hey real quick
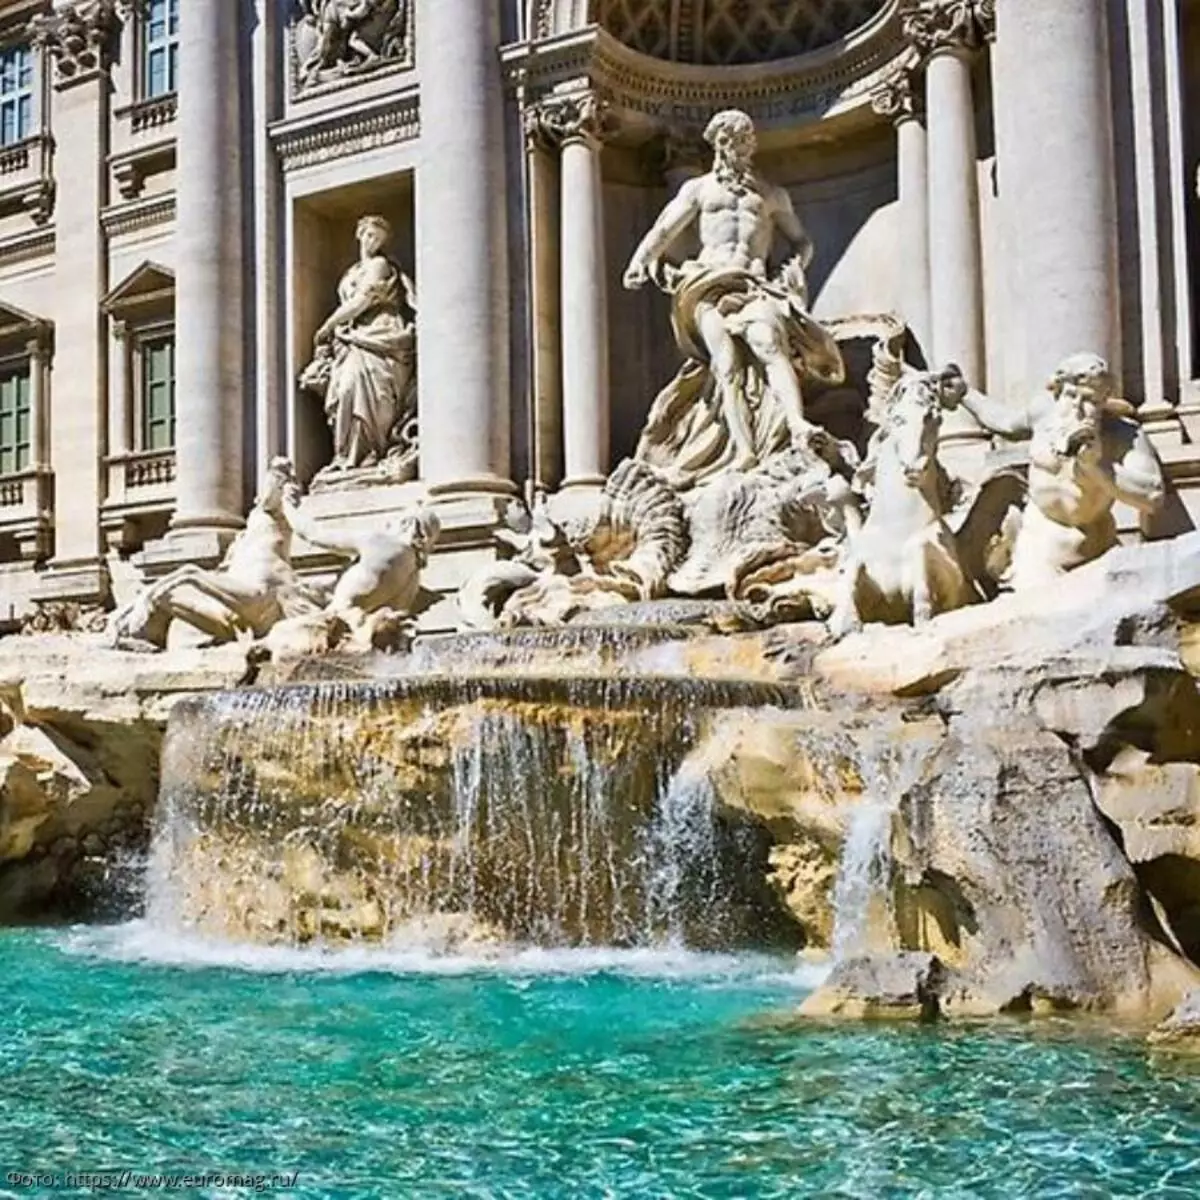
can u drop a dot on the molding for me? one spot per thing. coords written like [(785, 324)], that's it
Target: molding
[(21, 247), (327, 137), (818, 86), (158, 209)]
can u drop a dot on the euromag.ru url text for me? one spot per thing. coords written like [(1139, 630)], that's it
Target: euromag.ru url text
[(117, 1181)]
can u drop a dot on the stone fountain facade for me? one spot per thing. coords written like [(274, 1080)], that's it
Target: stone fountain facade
[(792, 400), (1006, 188)]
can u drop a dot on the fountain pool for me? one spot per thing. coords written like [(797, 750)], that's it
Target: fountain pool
[(578, 1073)]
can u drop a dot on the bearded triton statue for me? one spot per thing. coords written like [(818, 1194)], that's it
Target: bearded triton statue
[(746, 332)]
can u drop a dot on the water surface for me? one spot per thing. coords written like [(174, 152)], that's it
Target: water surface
[(556, 1074)]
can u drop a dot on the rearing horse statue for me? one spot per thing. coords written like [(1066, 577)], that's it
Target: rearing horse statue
[(252, 589), (903, 565)]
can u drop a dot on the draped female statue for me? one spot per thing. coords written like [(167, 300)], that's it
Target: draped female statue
[(364, 362)]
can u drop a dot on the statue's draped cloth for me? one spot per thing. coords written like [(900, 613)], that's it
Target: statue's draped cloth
[(687, 433), (372, 380)]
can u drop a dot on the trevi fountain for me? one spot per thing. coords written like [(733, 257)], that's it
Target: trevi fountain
[(808, 807)]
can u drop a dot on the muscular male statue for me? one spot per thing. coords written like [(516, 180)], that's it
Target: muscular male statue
[(1086, 452), (747, 333)]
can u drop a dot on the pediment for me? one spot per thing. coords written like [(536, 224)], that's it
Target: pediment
[(17, 323), (149, 283)]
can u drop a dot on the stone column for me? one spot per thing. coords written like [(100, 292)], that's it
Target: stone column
[(271, 376), (462, 251), (120, 433), (209, 308), (955, 253), (79, 40), (545, 248), (577, 120), (1056, 180), (900, 99)]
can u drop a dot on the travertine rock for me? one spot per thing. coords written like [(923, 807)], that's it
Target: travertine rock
[(1181, 1030), (80, 736), (901, 986)]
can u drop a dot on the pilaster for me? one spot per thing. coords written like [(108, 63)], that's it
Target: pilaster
[(80, 39)]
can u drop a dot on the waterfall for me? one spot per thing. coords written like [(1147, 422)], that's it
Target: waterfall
[(547, 812), (891, 766), (863, 876)]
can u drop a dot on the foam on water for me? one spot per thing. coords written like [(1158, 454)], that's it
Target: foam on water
[(141, 942)]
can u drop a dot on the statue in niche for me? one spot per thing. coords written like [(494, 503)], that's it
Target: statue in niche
[(1086, 452), (746, 332), (364, 364), (339, 37)]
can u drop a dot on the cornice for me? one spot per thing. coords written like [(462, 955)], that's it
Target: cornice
[(307, 141), (21, 247), (138, 214)]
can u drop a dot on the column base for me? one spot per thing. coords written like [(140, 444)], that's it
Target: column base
[(84, 581), (203, 545), (583, 483)]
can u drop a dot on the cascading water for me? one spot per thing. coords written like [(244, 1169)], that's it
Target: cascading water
[(553, 812), (862, 895)]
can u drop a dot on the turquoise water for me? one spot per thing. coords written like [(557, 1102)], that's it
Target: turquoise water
[(556, 1075)]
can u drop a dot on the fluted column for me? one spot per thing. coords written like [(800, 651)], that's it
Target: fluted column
[(210, 309), (462, 250), (900, 99), (1056, 180), (577, 121)]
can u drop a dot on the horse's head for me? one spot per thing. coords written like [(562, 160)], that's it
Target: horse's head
[(914, 419), (279, 480), (421, 529)]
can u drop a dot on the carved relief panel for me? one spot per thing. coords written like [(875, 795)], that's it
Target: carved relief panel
[(333, 43)]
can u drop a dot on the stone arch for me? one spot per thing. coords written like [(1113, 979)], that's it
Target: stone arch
[(712, 32)]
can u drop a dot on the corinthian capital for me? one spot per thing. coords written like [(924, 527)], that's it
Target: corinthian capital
[(80, 35), (932, 25), (899, 96), (580, 116)]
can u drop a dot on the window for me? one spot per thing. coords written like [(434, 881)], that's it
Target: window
[(160, 48), (14, 419), (158, 392), (16, 94)]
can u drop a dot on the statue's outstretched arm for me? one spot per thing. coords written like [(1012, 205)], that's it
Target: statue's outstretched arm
[(339, 541), (671, 223), (1002, 417)]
